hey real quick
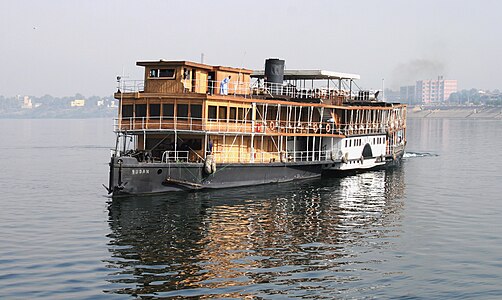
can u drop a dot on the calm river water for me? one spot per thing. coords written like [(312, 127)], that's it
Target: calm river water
[(429, 229)]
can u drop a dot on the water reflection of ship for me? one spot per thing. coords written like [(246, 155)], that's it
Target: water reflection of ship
[(222, 242)]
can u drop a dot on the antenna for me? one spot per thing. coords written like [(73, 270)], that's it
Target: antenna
[(202, 58)]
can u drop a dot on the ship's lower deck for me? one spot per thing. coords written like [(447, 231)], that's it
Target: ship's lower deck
[(128, 176)]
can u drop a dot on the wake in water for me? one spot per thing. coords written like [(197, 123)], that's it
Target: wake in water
[(418, 154)]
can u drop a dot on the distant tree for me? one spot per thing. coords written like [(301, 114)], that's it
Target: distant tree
[(79, 96), (454, 98)]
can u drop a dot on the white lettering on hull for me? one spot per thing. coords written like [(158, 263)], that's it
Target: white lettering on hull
[(139, 171)]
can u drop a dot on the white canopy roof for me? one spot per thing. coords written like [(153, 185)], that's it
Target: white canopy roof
[(309, 74)]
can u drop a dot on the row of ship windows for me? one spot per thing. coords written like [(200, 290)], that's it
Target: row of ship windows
[(234, 113), (165, 110), (185, 111), (359, 142)]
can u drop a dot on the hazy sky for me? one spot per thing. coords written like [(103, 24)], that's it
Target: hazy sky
[(63, 47)]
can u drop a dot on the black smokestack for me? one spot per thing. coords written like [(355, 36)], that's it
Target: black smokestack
[(274, 70)]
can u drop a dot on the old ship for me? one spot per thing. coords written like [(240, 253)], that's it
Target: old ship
[(189, 126)]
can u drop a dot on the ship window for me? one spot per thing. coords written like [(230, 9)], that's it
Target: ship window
[(233, 113), (350, 143), (222, 112), (168, 110), (346, 143), (211, 113), (140, 110), (168, 73), (240, 114), (195, 144), (249, 114), (182, 111), (154, 110), (196, 111), (186, 73), (127, 111), (162, 73)]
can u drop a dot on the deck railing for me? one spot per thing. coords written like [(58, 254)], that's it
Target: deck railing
[(246, 157), (247, 89), (270, 127)]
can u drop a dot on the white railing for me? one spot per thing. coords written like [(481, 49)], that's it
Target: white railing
[(272, 127), (126, 86), (246, 89), (256, 157), (264, 88), (175, 156)]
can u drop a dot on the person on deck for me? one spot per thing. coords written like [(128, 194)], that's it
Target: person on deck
[(224, 85)]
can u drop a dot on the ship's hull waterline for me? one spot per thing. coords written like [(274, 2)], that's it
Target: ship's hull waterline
[(130, 177)]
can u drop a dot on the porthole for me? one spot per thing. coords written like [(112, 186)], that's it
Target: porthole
[(159, 171)]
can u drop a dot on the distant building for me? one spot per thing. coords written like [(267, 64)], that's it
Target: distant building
[(27, 104), (407, 94), (435, 91), (77, 103)]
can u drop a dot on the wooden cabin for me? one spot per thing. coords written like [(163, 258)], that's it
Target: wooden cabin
[(179, 105)]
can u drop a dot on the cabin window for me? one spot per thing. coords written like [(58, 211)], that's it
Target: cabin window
[(168, 110), (233, 113), (350, 143), (222, 112), (182, 111), (195, 144), (127, 111), (186, 73), (162, 73), (249, 114), (154, 110), (196, 111), (140, 110), (240, 114), (346, 143), (211, 113)]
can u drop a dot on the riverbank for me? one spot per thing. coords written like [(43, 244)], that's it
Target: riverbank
[(471, 112)]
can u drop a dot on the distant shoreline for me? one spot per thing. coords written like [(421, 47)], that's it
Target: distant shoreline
[(457, 112), (61, 114)]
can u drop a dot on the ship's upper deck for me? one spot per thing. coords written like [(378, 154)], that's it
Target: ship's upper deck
[(164, 77), (310, 75)]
